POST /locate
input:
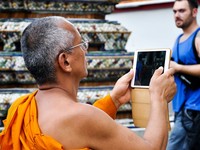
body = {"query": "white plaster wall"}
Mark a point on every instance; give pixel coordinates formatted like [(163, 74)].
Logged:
[(150, 28)]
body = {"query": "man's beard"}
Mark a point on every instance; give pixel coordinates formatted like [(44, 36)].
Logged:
[(184, 25)]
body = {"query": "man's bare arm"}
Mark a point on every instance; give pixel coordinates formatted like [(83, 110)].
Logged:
[(107, 134)]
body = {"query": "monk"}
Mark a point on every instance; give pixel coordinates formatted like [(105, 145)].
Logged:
[(52, 118)]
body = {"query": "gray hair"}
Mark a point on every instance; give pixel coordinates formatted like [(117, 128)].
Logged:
[(41, 43)]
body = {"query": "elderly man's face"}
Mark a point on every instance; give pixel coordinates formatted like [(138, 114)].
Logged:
[(78, 53)]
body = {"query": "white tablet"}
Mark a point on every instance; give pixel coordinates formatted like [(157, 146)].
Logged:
[(146, 61)]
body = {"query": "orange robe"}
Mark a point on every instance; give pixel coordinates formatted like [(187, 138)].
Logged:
[(21, 130)]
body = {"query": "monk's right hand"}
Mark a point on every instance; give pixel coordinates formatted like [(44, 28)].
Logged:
[(163, 84)]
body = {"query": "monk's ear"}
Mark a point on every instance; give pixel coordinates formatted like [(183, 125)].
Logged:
[(64, 63)]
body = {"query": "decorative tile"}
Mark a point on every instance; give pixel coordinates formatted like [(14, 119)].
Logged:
[(101, 67), (111, 34), (65, 6)]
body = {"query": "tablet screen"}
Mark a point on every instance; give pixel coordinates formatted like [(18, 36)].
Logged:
[(146, 63)]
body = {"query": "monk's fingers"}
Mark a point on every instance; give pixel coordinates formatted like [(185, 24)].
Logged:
[(170, 72)]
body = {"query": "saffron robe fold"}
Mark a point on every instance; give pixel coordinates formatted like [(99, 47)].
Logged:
[(21, 130)]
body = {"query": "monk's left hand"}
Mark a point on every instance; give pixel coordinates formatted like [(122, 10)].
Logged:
[(121, 92)]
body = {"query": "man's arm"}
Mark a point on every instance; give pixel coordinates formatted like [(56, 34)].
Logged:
[(107, 105), (158, 102), (107, 134), (197, 43), (187, 69)]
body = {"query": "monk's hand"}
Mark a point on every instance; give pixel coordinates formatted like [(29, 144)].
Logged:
[(121, 92), (163, 85)]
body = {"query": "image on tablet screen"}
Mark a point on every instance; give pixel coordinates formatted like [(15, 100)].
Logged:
[(147, 63)]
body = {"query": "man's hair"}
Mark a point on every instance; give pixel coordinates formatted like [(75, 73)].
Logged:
[(192, 3), (41, 42)]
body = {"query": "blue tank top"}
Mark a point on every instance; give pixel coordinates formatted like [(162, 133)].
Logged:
[(190, 98)]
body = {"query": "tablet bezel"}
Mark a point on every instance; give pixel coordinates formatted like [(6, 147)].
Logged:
[(166, 63)]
